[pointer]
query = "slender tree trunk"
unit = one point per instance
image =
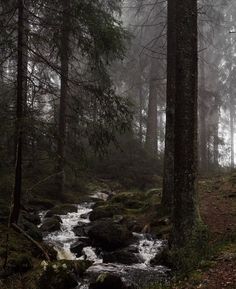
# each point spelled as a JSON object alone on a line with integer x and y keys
{"x": 140, "y": 114}
{"x": 151, "y": 137}
{"x": 216, "y": 133}
{"x": 64, "y": 55}
{"x": 19, "y": 117}
{"x": 203, "y": 116}
{"x": 186, "y": 214}
{"x": 168, "y": 175}
{"x": 232, "y": 130}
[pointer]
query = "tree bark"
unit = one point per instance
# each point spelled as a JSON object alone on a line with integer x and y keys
{"x": 185, "y": 214}
{"x": 216, "y": 133}
{"x": 232, "y": 130}
{"x": 140, "y": 114}
{"x": 151, "y": 136}
{"x": 14, "y": 216}
{"x": 64, "y": 56}
{"x": 168, "y": 175}
{"x": 203, "y": 133}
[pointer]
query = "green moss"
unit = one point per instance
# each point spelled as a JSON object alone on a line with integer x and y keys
{"x": 185, "y": 259}
{"x": 62, "y": 210}
{"x": 19, "y": 263}
{"x": 106, "y": 211}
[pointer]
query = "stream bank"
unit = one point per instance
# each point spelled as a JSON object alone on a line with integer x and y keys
{"x": 105, "y": 230}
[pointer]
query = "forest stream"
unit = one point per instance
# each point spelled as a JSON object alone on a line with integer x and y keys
{"x": 144, "y": 248}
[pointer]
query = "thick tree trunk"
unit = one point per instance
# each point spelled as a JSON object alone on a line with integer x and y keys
{"x": 185, "y": 216}
{"x": 151, "y": 136}
{"x": 168, "y": 175}
{"x": 19, "y": 117}
{"x": 64, "y": 55}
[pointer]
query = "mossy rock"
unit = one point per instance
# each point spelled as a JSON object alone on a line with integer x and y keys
{"x": 107, "y": 211}
{"x": 125, "y": 196}
{"x": 109, "y": 235}
{"x": 61, "y": 210}
{"x": 42, "y": 203}
{"x": 62, "y": 274}
{"x": 108, "y": 281}
{"x": 31, "y": 217}
{"x": 154, "y": 192}
{"x": 31, "y": 229}
{"x": 19, "y": 263}
{"x": 50, "y": 225}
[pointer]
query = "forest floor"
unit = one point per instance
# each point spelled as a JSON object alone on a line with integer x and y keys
{"x": 218, "y": 211}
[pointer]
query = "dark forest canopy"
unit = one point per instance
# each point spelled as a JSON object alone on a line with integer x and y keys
{"x": 117, "y": 143}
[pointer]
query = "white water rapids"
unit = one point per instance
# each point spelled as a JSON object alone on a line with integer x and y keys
{"x": 146, "y": 248}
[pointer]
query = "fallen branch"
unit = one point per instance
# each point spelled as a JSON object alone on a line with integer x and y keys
{"x": 17, "y": 228}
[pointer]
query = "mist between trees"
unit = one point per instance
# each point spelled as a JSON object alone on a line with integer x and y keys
{"x": 90, "y": 87}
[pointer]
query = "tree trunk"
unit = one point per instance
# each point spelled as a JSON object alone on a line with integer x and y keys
{"x": 19, "y": 117}
{"x": 140, "y": 114}
{"x": 185, "y": 215}
{"x": 216, "y": 133}
{"x": 203, "y": 118}
{"x": 151, "y": 137}
{"x": 232, "y": 130}
{"x": 64, "y": 55}
{"x": 168, "y": 175}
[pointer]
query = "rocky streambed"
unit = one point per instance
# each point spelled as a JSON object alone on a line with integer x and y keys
{"x": 105, "y": 238}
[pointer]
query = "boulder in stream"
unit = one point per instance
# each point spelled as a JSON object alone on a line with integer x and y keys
{"x": 106, "y": 211}
{"x": 109, "y": 235}
{"x": 77, "y": 248}
{"x": 126, "y": 257}
{"x": 61, "y": 210}
{"x": 50, "y": 225}
{"x": 108, "y": 281}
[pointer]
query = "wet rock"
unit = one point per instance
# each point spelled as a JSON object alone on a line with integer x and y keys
{"x": 50, "y": 225}
{"x": 133, "y": 225}
{"x": 121, "y": 256}
{"x": 162, "y": 258}
{"x": 107, "y": 211}
{"x": 108, "y": 281}
{"x": 85, "y": 216}
{"x": 118, "y": 219}
{"x": 154, "y": 192}
{"x": 61, "y": 210}
{"x": 51, "y": 279}
{"x": 31, "y": 229}
{"x": 98, "y": 203}
{"x": 31, "y": 217}
{"x": 129, "y": 200}
{"x": 109, "y": 235}
{"x": 80, "y": 229}
{"x": 77, "y": 248}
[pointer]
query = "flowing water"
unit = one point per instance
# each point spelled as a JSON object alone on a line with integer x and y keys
{"x": 145, "y": 247}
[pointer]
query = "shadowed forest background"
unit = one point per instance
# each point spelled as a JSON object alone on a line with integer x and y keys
{"x": 117, "y": 144}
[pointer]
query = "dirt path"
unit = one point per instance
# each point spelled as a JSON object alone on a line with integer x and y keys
{"x": 218, "y": 211}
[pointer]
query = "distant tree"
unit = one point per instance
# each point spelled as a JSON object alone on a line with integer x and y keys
{"x": 168, "y": 175}
{"x": 151, "y": 135}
